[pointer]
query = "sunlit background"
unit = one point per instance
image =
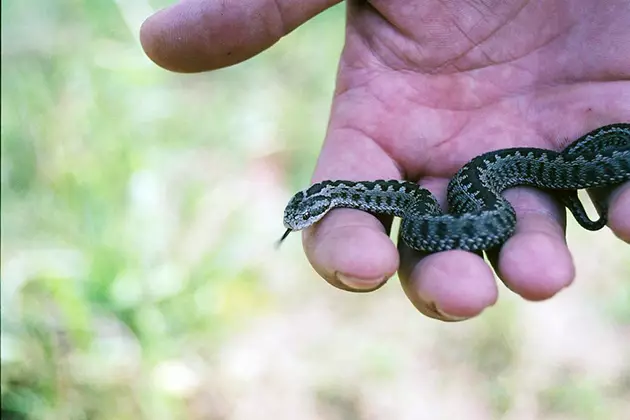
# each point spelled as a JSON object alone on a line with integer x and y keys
{"x": 139, "y": 275}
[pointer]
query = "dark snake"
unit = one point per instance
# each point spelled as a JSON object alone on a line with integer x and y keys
{"x": 478, "y": 217}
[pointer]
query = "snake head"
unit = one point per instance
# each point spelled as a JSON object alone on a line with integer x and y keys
{"x": 305, "y": 209}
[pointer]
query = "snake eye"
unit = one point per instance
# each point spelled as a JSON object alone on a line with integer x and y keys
{"x": 306, "y": 216}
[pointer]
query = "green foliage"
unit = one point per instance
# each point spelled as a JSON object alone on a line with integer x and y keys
{"x": 96, "y": 290}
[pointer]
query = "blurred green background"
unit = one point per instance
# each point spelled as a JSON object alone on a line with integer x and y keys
{"x": 139, "y": 278}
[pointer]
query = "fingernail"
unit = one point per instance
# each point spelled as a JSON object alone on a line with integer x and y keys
{"x": 445, "y": 316}
{"x": 360, "y": 284}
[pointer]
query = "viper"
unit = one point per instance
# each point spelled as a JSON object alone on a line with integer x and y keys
{"x": 478, "y": 216}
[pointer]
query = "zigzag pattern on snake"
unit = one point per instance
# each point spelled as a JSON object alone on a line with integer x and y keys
{"x": 478, "y": 217}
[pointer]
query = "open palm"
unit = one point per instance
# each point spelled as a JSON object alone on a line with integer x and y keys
{"x": 423, "y": 86}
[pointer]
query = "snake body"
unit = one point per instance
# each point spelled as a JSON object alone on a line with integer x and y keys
{"x": 478, "y": 216}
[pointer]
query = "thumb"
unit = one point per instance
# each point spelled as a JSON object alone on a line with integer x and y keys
{"x": 198, "y": 35}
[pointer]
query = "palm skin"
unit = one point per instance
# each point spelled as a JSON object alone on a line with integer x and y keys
{"x": 422, "y": 88}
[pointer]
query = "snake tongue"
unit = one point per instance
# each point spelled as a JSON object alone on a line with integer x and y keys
{"x": 283, "y": 237}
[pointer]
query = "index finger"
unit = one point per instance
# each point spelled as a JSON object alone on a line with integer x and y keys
{"x": 351, "y": 249}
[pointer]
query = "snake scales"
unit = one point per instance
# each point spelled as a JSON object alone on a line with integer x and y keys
{"x": 478, "y": 216}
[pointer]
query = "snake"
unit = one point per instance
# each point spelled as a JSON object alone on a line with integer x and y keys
{"x": 478, "y": 217}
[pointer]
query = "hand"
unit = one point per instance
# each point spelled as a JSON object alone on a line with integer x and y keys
{"x": 424, "y": 86}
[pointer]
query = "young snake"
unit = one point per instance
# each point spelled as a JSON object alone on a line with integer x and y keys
{"x": 478, "y": 216}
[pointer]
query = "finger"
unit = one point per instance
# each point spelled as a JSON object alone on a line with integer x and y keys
{"x": 618, "y": 209}
{"x": 535, "y": 262}
{"x": 198, "y": 35}
{"x": 349, "y": 248}
{"x": 449, "y": 286}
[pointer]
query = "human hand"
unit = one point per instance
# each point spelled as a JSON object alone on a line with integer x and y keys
{"x": 424, "y": 86}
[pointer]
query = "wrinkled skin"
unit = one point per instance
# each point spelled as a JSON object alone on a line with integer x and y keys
{"x": 423, "y": 86}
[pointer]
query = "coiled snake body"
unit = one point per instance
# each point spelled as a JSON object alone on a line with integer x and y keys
{"x": 478, "y": 216}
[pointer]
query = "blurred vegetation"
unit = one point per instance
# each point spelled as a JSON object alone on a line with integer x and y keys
{"x": 139, "y": 210}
